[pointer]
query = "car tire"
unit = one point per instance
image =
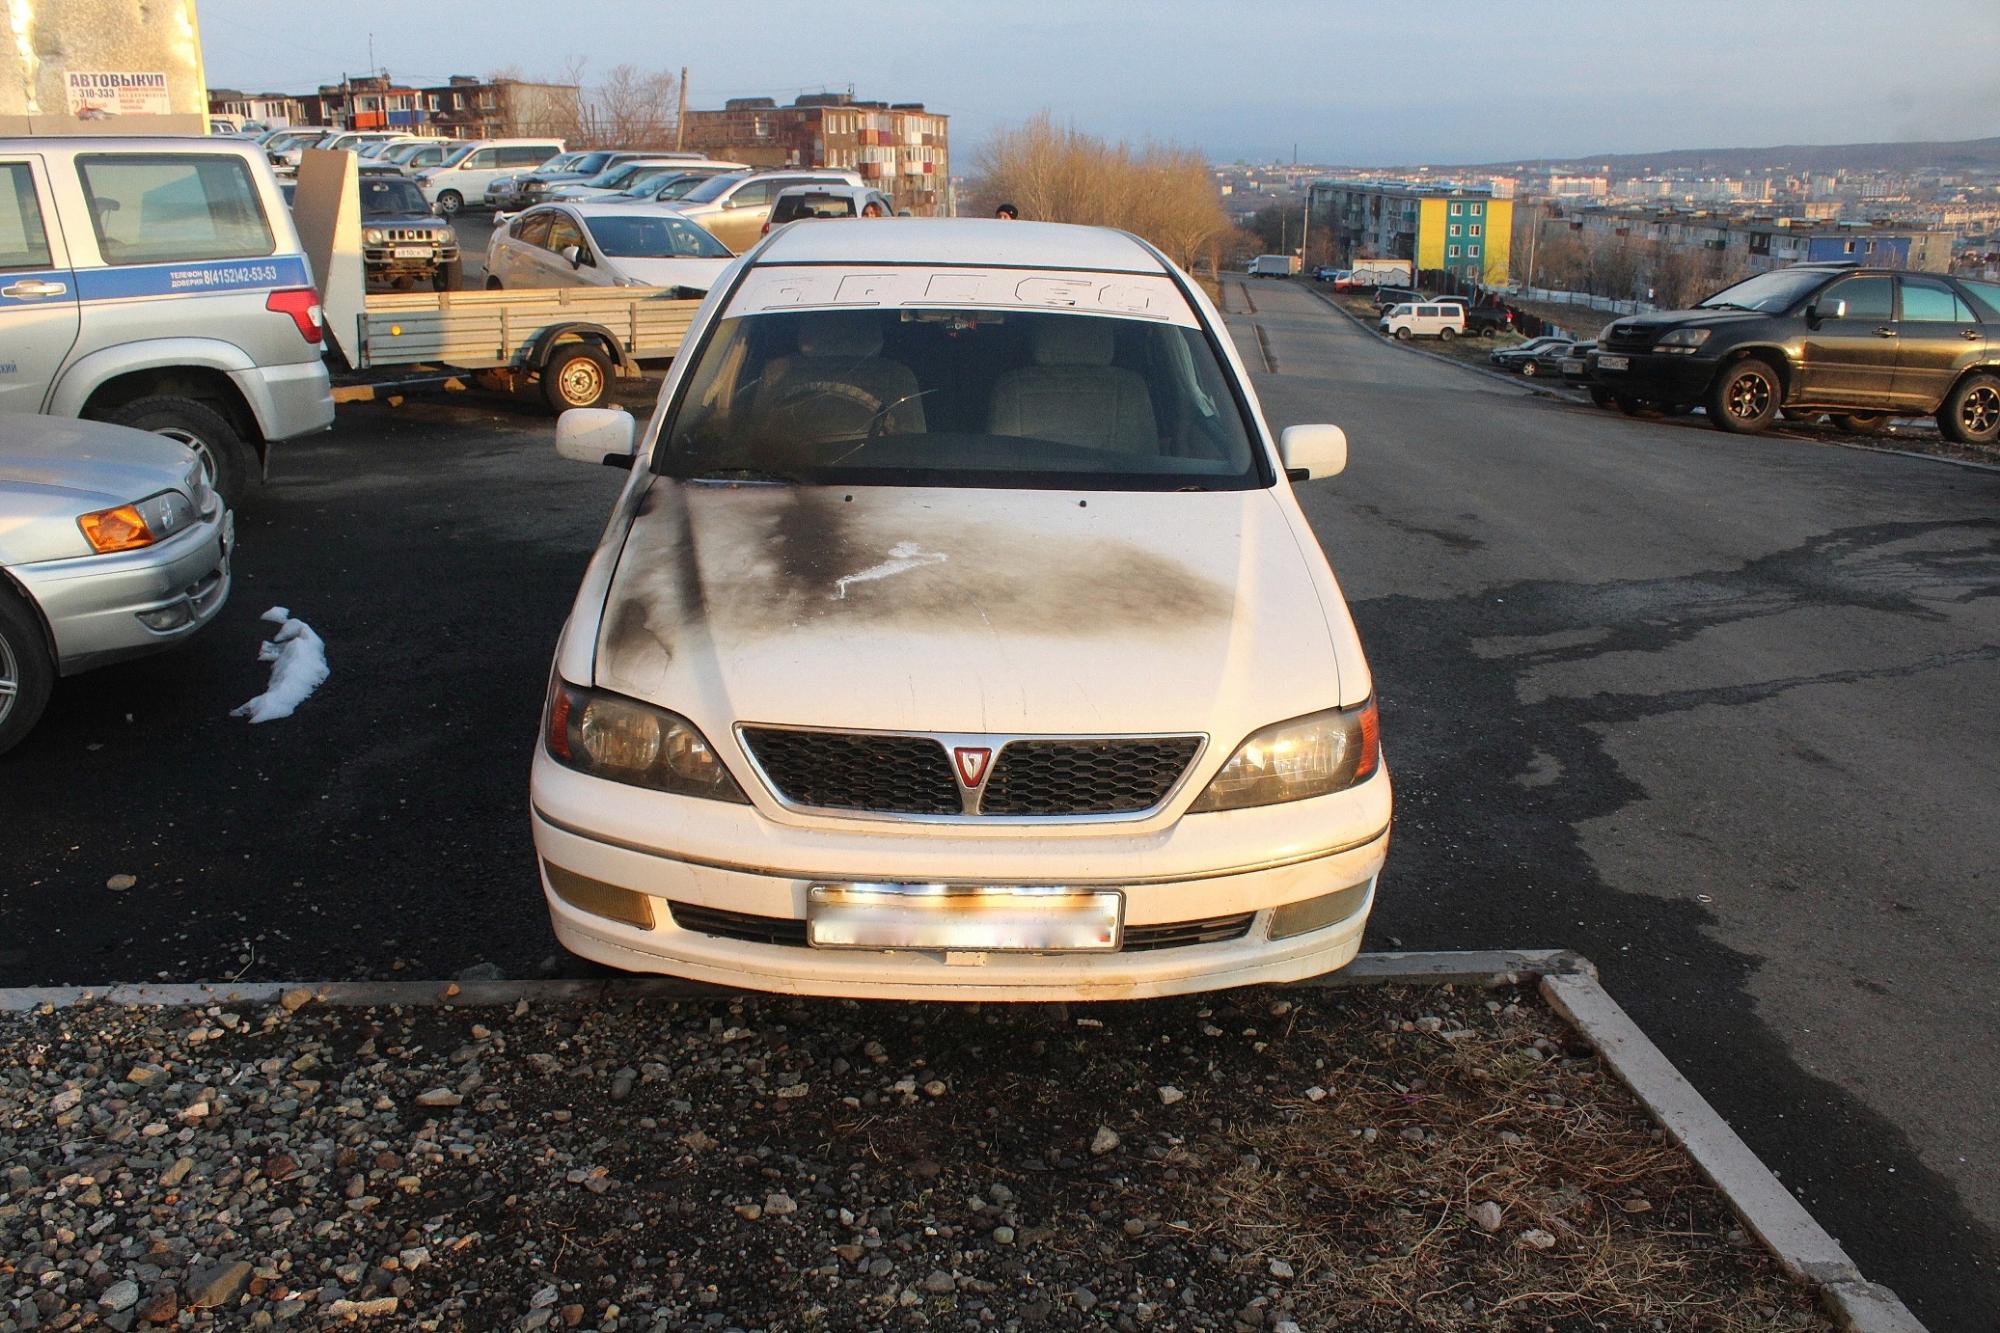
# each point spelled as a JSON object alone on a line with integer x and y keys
{"x": 1970, "y": 413}
{"x": 1489, "y": 332}
{"x": 27, "y": 671}
{"x": 450, "y": 203}
{"x": 1602, "y": 397}
{"x": 575, "y": 375}
{"x": 1860, "y": 423}
{"x": 229, "y": 462}
{"x": 1528, "y": 369}
{"x": 1744, "y": 397}
{"x": 1402, "y": 335}
{"x": 493, "y": 284}
{"x": 445, "y": 278}
{"x": 1799, "y": 416}
{"x": 1446, "y": 335}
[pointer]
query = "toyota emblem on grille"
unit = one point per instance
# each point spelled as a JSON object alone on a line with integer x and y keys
{"x": 971, "y": 763}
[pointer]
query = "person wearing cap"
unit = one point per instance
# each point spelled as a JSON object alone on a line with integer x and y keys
{"x": 1007, "y": 211}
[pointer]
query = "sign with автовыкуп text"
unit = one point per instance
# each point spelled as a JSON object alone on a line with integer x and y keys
{"x": 100, "y": 95}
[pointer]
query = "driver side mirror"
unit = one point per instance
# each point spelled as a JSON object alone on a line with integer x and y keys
{"x": 576, "y": 255}
{"x": 1827, "y": 310}
{"x": 1309, "y": 452}
{"x": 597, "y": 435}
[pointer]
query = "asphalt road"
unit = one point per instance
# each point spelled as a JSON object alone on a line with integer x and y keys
{"x": 1720, "y": 714}
{"x": 1717, "y": 713}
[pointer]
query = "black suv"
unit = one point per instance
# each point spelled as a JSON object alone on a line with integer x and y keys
{"x": 1861, "y": 344}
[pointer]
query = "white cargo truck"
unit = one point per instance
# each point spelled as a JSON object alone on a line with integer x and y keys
{"x": 1274, "y": 266}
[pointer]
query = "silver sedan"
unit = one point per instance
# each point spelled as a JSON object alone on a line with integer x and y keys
{"x": 112, "y": 544}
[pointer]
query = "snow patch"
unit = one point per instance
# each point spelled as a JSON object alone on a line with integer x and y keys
{"x": 903, "y": 557}
{"x": 298, "y": 667}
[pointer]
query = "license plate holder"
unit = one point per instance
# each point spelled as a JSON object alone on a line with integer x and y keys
{"x": 1614, "y": 363}
{"x": 413, "y": 252}
{"x": 970, "y": 918}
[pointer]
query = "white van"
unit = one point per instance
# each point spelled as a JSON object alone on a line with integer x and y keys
{"x": 1440, "y": 320}
{"x": 463, "y": 176}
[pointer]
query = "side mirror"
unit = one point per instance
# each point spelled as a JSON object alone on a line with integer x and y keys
{"x": 597, "y": 435}
{"x": 1827, "y": 310}
{"x": 1312, "y": 451}
{"x": 574, "y": 254}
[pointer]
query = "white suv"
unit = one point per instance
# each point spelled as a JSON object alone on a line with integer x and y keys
{"x": 1444, "y": 320}
{"x": 461, "y": 179}
{"x": 958, "y": 636}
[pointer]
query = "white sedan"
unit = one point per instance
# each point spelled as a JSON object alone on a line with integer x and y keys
{"x": 601, "y": 245}
{"x": 958, "y": 636}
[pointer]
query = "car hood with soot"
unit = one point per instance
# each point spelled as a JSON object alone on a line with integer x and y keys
{"x": 927, "y": 609}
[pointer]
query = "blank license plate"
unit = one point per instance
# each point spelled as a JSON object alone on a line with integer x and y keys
{"x": 960, "y": 917}
{"x": 414, "y": 252}
{"x": 1614, "y": 363}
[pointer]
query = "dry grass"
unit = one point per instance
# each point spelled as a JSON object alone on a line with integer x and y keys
{"x": 1437, "y": 1107}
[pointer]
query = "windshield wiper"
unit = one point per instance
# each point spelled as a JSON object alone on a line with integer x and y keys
{"x": 750, "y": 474}
{"x": 1725, "y": 305}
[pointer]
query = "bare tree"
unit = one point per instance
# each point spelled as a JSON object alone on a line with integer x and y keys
{"x": 1163, "y": 192}
{"x": 630, "y": 108}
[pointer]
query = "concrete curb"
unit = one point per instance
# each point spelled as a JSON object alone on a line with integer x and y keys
{"x": 1567, "y": 981}
{"x": 1801, "y": 1246}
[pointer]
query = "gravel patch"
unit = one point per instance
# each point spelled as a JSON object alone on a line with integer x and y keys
{"x": 1378, "y": 1158}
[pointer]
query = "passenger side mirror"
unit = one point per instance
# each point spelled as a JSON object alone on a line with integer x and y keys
{"x": 1309, "y": 452}
{"x": 1828, "y": 310}
{"x": 575, "y": 254}
{"x": 597, "y": 435}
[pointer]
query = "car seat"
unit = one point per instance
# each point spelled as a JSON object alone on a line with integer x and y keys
{"x": 1072, "y": 394}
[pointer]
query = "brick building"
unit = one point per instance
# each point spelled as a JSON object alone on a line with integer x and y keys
{"x": 897, "y": 147}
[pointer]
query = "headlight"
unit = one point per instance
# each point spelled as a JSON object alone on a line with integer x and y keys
{"x": 610, "y": 736}
{"x": 133, "y": 526}
{"x": 372, "y": 236}
{"x": 1682, "y": 342}
{"x": 1308, "y": 756}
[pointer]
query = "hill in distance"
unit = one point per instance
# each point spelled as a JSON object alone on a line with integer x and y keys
{"x": 1947, "y": 154}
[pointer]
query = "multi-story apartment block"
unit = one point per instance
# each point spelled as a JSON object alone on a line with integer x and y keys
{"x": 1468, "y": 232}
{"x": 1764, "y": 242}
{"x": 898, "y": 147}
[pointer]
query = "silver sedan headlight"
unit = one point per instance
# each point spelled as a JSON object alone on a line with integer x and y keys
{"x": 1305, "y": 757}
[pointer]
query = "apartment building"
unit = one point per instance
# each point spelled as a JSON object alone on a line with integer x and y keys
{"x": 463, "y": 108}
{"x": 899, "y": 147}
{"x": 1442, "y": 226}
{"x": 1763, "y": 242}
{"x": 268, "y": 109}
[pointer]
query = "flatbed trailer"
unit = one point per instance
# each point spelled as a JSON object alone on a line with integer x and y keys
{"x": 570, "y": 342}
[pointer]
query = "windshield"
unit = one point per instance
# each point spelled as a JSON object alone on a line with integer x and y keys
{"x": 459, "y": 154}
{"x": 654, "y": 238}
{"x": 712, "y": 188}
{"x": 391, "y": 196}
{"x": 961, "y": 397}
{"x": 624, "y": 175}
{"x": 1773, "y": 291}
{"x": 680, "y": 187}
{"x": 587, "y": 165}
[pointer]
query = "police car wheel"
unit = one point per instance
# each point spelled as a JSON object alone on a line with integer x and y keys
{"x": 224, "y": 455}
{"x": 27, "y": 673}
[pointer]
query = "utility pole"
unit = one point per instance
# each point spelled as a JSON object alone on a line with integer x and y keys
{"x": 1534, "y": 234}
{"x": 681, "y": 116}
{"x": 1306, "y": 231}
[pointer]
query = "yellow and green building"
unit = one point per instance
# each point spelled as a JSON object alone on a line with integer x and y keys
{"x": 1467, "y": 232}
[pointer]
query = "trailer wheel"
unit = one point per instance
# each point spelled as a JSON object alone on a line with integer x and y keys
{"x": 575, "y": 375}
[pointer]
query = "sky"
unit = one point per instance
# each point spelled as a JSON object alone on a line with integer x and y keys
{"x": 1390, "y": 83}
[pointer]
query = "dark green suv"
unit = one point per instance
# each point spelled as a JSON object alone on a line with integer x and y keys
{"x": 1860, "y": 344}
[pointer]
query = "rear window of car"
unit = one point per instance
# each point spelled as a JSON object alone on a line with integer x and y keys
{"x": 150, "y": 208}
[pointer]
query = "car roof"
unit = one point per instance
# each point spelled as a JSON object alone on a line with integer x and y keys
{"x": 597, "y": 208}
{"x": 982, "y": 242}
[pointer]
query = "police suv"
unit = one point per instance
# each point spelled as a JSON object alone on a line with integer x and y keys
{"x": 159, "y": 283}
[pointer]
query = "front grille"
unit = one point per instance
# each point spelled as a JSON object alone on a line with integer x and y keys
{"x": 1628, "y": 337}
{"x": 739, "y": 925}
{"x": 413, "y": 235}
{"x": 1090, "y": 777}
{"x": 1174, "y": 934}
{"x": 840, "y": 770}
{"x": 790, "y": 933}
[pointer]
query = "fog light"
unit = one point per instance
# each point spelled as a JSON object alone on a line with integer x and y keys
{"x": 600, "y": 899}
{"x": 167, "y": 617}
{"x": 1317, "y": 913}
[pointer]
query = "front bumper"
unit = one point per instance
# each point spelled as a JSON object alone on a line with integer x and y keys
{"x": 1657, "y": 376}
{"x": 93, "y": 604}
{"x": 744, "y": 863}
